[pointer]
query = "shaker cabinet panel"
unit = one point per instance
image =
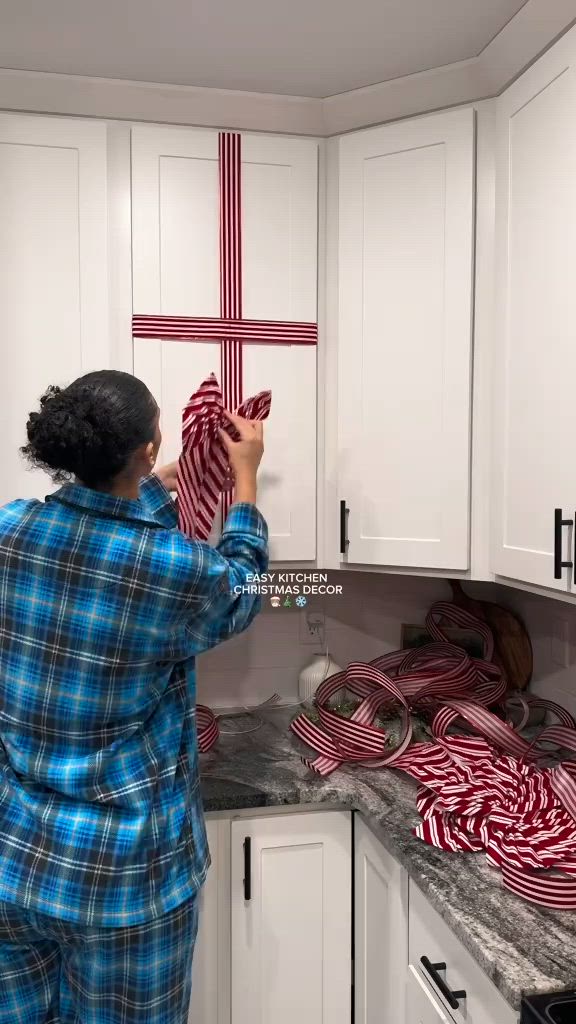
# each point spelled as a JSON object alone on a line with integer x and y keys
{"x": 178, "y": 200}
{"x": 404, "y": 335}
{"x": 53, "y": 271}
{"x": 536, "y": 320}
{"x": 292, "y": 919}
{"x": 210, "y": 1001}
{"x": 204, "y": 1001}
{"x": 381, "y": 931}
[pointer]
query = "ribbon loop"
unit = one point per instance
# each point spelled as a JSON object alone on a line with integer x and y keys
{"x": 479, "y": 789}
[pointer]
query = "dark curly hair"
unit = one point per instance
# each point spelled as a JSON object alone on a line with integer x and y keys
{"x": 90, "y": 429}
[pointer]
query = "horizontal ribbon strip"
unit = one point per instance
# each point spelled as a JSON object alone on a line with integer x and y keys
{"x": 189, "y": 328}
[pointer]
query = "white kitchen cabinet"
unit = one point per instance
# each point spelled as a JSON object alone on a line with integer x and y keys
{"x": 175, "y": 239}
{"x": 535, "y": 319}
{"x": 53, "y": 271}
{"x": 291, "y": 919}
{"x": 430, "y": 937}
{"x": 276, "y": 929}
{"x": 381, "y": 931}
{"x": 210, "y": 1002}
{"x": 405, "y": 227}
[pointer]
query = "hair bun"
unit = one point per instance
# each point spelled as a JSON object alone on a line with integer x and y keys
{"x": 69, "y": 437}
{"x": 91, "y": 429}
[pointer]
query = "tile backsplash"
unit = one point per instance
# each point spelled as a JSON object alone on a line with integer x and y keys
{"x": 366, "y": 621}
{"x": 360, "y": 624}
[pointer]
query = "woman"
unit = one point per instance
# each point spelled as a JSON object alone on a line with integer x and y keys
{"x": 103, "y": 606}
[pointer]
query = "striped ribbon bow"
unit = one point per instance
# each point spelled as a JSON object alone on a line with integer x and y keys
{"x": 476, "y": 792}
{"x": 202, "y": 475}
{"x": 203, "y": 465}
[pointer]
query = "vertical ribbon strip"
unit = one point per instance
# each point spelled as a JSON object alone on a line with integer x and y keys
{"x": 230, "y": 329}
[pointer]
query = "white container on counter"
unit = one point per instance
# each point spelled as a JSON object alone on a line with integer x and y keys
{"x": 320, "y": 668}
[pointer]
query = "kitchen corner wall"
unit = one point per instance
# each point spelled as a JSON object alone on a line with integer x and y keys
{"x": 363, "y": 622}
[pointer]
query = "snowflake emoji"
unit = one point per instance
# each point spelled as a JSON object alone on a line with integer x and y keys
{"x": 301, "y": 601}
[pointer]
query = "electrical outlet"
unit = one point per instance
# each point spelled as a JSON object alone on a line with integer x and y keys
{"x": 560, "y": 642}
{"x": 312, "y": 628}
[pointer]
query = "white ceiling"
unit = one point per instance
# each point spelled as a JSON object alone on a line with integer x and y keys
{"x": 313, "y": 48}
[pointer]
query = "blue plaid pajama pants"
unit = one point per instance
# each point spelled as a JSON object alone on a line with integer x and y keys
{"x": 56, "y": 972}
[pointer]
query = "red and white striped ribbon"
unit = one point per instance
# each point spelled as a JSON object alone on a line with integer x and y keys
{"x": 420, "y": 678}
{"x": 230, "y": 329}
{"x": 216, "y": 329}
{"x": 207, "y": 728}
{"x": 477, "y": 792}
{"x": 254, "y": 332}
{"x": 202, "y": 470}
{"x": 203, "y": 464}
{"x": 230, "y": 165}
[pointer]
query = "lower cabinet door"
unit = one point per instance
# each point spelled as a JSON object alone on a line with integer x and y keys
{"x": 210, "y": 1002}
{"x": 381, "y": 931}
{"x": 430, "y": 937}
{"x": 421, "y": 1005}
{"x": 291, "y": 919}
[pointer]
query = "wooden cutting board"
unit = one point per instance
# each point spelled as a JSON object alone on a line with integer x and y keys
{"x": 512, "y": 647}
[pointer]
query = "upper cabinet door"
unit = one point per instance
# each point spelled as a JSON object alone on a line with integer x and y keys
{"x": 536, "y": 317}
{"x": 405, "y": 288}
{"x": 269, "y": 273}
{"x": 53, "y": 271}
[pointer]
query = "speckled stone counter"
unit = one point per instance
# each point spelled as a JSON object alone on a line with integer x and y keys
{"x": 523, "y": 949}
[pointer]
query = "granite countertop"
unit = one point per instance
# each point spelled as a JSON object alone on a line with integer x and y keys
{"x": 525, "y": 950}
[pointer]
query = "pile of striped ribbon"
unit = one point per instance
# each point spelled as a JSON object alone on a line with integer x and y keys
{"x": 203, "y": 475}
{"x": 480, "y": 788}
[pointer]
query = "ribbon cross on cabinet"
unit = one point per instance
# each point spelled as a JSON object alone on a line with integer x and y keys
{"x": 224, "y": 239}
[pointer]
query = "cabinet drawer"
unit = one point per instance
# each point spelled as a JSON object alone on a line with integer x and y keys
{"x": 430, "y": 937}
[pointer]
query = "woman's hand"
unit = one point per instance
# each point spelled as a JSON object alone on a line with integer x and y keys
{"x": 244, "y": 455}
{"x": 168, "y": 475}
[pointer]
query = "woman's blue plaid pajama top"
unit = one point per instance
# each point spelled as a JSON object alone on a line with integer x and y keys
{"x": 103, "y": 606}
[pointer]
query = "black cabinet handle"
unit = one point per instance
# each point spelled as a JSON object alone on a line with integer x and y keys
{"x": 452, "y": 998}
{"x": 574, "y": 539}
{"x": 247, "y": 869}
{"x": 343, "y": 531}
{"x": 559, "y": 524}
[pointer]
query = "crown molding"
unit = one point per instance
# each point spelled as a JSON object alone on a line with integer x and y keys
{"x": 41, "y": 93}
{"x": 536, "y": 26}
{"x": 403, "y": 97}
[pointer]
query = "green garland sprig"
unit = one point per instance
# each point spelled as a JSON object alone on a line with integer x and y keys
{"x": 389, "y": 723}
